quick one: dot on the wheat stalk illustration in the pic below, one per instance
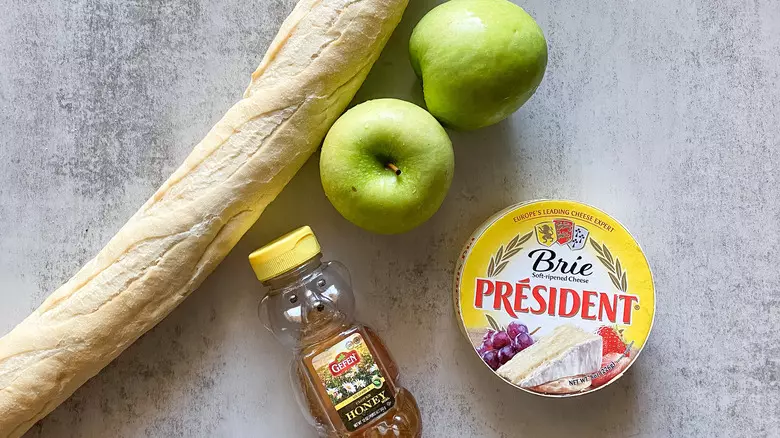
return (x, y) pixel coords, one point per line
(500, 259)
(616, 272)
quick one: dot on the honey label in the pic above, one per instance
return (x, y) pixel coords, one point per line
(356, 388)
(556, 297)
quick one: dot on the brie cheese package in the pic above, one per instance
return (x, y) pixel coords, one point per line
(556, 297)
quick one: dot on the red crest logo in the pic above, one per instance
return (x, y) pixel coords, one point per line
(563, 229)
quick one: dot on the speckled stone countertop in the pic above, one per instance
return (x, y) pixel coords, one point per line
(666, 114)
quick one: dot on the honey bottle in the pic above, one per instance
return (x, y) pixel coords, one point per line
(344, 378)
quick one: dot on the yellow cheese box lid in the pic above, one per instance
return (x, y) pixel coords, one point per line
(556, 297)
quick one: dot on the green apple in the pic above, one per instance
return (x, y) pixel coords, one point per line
(386, 165)
(479, 60)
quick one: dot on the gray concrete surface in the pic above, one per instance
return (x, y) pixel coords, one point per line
(663, 113)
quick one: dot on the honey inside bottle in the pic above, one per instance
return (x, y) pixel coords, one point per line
(345, 379)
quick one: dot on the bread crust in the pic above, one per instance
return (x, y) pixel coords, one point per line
(309, 74)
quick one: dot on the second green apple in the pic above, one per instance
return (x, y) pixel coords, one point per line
(386, 165)
(479, 61)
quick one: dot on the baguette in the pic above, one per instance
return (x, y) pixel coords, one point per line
(311, 71)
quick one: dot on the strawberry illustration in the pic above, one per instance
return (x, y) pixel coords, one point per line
(612, 340)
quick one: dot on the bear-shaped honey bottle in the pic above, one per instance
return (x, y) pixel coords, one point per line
(345, 379)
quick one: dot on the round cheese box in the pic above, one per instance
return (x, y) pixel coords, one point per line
(556, 297)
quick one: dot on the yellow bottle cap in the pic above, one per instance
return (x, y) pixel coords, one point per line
(284, 254)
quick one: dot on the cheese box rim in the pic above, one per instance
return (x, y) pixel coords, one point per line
(480, 231)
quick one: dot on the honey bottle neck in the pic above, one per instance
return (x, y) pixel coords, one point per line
(297, 275)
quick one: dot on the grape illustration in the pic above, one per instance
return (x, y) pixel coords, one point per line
(505, 354)
(515, 328)
(491, 358)
(500, 340)
(523, 341)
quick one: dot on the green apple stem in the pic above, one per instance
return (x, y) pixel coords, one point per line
(394, 168)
